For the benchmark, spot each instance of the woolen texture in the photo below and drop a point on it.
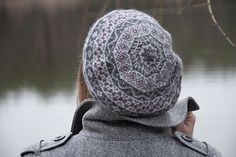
(129, 65)
(135, 77)
(105, 134)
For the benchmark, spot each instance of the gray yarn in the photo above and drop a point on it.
(106, 134)
(129, 65)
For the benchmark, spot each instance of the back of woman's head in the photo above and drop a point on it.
(129, 65)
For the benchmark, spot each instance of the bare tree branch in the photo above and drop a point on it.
(208, 4)
(200, 5)
(217, 25)
(184, 7)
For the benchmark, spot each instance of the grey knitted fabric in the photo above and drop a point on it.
(107, 134)
(135, 77)
(129, 65)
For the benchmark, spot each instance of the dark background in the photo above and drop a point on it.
(41, 41)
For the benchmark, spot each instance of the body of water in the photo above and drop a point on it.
(39, 55)
(26, 116)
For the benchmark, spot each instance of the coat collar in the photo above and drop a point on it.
(94, 120)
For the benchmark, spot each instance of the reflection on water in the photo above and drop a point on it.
(40, 48)
(215, 93)
(39, 55)
(26, 116)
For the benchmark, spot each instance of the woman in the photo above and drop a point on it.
(129, 83)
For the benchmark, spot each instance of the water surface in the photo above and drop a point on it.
(39, 55)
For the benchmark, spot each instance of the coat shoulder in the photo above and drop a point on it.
(42, 146)
(201, 147)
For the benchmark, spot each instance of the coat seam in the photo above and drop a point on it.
(128, 140)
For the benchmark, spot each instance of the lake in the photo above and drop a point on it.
(40, 52)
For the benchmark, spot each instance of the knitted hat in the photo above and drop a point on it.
(129, 65)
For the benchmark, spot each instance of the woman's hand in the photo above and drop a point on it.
(187, 126)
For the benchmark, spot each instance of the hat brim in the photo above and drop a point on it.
(170, 118)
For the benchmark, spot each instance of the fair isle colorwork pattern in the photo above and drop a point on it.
(129, 65)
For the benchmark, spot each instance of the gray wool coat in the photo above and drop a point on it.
(96, 132)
